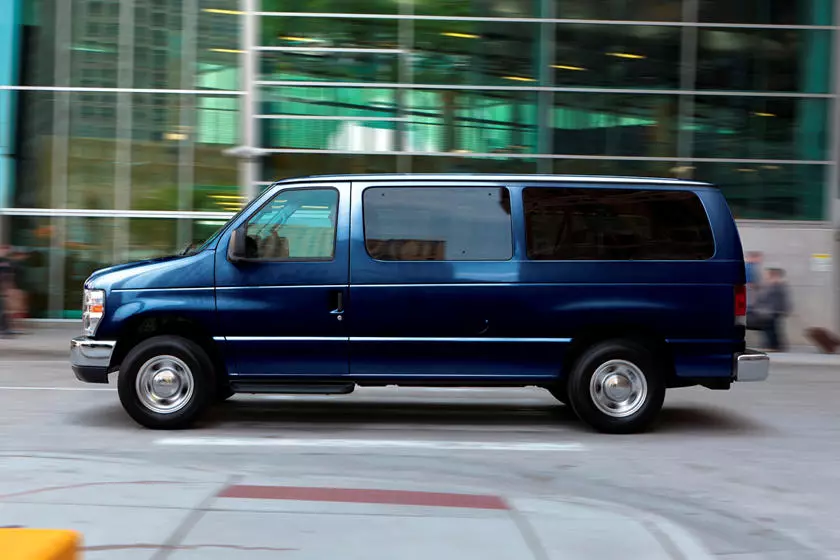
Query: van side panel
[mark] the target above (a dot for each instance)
(688, 304)
(515, 320)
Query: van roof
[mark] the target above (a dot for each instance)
(495, 177)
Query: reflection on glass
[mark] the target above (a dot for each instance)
(329, 32)
(781, 192)
(447, 164)
(332, 6)
(620, 167)
(92, 154)
(94, 45)
(438, 224)
(617, 55)
(764, 60)
(296, 225)
(330, 66)
(777, 12)
(218, 48)
(156, 144)
(760, 128)
(37, 159)
(282, 166)
(641, 10)
(151, 238)
(486, 8)
(616, 124)
(471, 122)
(32, 236)
(475, 53)
(329, 102)
(348, 136)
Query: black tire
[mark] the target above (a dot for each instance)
(614, 356)
(560, 391)
(187, 354)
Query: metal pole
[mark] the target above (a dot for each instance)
(688, 78)
(831, 197)
(248, 166)
(187, 120)
(546, 53)
(124, 124)
(60, 152)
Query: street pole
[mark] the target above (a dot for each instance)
(249, 164)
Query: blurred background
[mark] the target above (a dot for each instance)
(116, 116)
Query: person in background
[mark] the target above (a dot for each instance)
(16, 299)
(773, 305)
(6, 274)
(752, 262)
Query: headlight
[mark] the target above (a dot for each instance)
(93, 309)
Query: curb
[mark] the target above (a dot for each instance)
(815, 360)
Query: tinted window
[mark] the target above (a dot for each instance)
(438, 224)
(616, 224)
(295, 225)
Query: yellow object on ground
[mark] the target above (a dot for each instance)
(39, 544)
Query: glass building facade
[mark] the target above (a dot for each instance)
(117, 117)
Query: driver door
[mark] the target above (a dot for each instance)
(281, 310)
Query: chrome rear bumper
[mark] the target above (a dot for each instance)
(752, 366)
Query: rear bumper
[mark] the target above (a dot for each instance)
(752, 366)
(90, 359)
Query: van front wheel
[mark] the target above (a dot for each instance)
(617, 387)
(166, 382)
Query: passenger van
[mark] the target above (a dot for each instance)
(605, 291)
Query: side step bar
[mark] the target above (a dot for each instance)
(292, 388)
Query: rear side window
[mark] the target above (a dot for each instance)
(438, 223)
(616, 224)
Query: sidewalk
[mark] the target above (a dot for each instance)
(51, 341)
(43, 341)
(195, 514)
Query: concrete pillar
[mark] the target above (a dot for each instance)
(814, 77)
(9, 53)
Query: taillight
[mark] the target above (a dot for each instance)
(740, 305)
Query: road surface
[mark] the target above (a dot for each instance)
(415, 473)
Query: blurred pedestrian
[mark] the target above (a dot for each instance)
(772, 306)
(753, 261)
(6, 274)
(16, 297)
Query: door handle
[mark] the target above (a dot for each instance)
(338, 298)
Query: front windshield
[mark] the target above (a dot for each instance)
(199, 246)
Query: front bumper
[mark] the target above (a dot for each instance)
(90, 359)
(752, 366)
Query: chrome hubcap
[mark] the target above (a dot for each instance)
(618, 388)
(164, 384)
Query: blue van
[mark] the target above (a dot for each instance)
(606, 291)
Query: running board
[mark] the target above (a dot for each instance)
(292, 388)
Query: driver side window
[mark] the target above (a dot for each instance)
(296, 225)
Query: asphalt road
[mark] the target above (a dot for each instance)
(750, 473)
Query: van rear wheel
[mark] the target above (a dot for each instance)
(617, 387)
(166, 382)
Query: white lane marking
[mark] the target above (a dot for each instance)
(5, 362)
(367, 444)
(55, 389)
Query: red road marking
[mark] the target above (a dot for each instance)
(361, 496)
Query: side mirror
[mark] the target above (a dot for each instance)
(237, 247)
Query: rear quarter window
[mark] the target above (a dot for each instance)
(616, 224)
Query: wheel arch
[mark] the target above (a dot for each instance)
(142, 327)
(645, 336)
